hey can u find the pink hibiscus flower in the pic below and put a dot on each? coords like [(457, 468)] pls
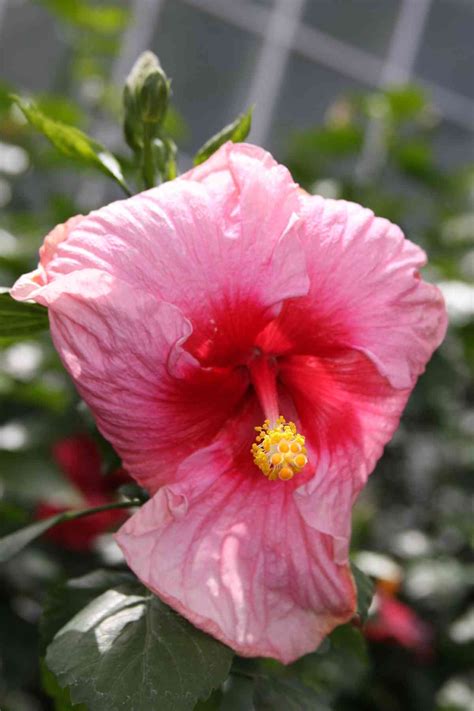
[(222, 301), (79, 459)]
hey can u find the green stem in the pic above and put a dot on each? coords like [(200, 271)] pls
[(71, 515), (13, 543), (148, 164)]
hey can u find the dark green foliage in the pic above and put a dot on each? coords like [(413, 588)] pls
[(61, 697), (127, 651)]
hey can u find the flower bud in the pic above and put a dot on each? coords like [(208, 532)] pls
[(146, 92), (154, 97), (132, 126)]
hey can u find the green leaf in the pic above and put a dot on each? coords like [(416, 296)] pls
[(63, 109), (280, 694), (73, 142), (365, 592), (69, 597), (19, 319), (236, 131), (15, 542), (212, 703), (128, 651), (61, 698)]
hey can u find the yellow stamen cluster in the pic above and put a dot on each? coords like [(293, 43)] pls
[(279, 451)]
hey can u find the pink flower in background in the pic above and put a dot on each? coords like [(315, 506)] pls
[(394, 622), (79, 459), (222, 301)]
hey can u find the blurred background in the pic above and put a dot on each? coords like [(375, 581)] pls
[(368, 100)]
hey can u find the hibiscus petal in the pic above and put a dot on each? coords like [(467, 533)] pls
[(224, 251), (366, 293), (151, 399), (347, 412), (27, 285), (230, 551)]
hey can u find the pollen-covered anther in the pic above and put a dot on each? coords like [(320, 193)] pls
[(278, 450)]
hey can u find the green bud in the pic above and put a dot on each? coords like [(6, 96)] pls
[(164, 153), (147, 90), (145, 97), (159, 154), (154, 97), (132, 126)]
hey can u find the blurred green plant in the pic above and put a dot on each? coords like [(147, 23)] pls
[(103, 19)]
